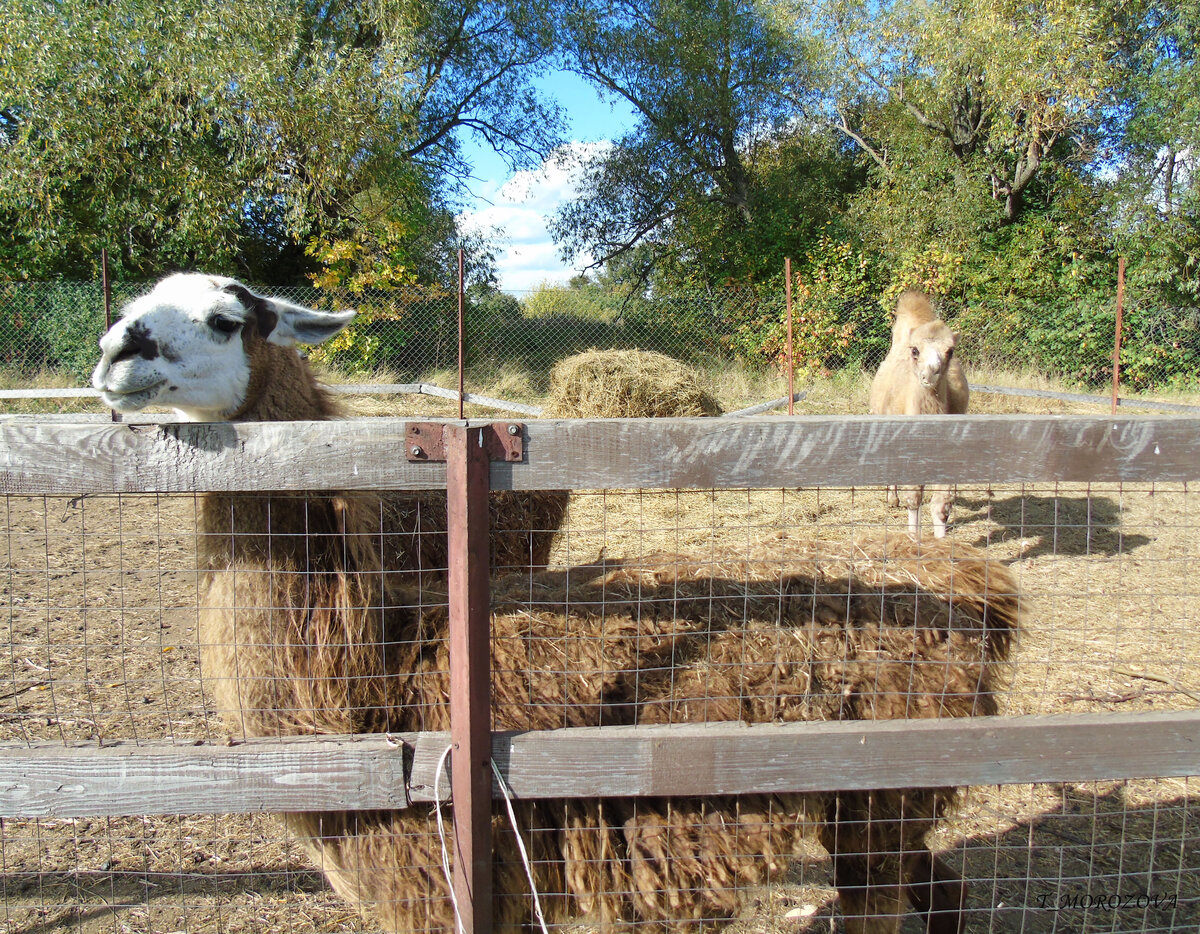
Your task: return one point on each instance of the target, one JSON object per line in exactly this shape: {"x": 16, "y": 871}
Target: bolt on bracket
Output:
{"x": 503, "y": 441}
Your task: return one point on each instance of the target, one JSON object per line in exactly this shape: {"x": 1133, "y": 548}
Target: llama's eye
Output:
{"x": 916, "y": 352}
{"x": 224, "y": 324}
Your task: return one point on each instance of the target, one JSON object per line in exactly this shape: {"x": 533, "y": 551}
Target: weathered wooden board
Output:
{"x": 801, "y": 451}
{"x": 727, "y": 759}
{"x": 130, "y": 457}
{"x": 369, "y": 771}
{"x": 691, "y": 453}
{"x": 295, "y": 774}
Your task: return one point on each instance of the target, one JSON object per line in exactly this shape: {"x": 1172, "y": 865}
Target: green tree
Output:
{"x": 708, "y": 82}
{"x": 234, "y": 134}
{"x": 981, "y": 94}
{"x": 1154, "y": 149}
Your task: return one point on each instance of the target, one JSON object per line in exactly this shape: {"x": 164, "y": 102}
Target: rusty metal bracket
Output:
{"x": 503, "y": 441}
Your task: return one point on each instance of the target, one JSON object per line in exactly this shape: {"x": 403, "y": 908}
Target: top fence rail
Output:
{"x": 683, "y": 453}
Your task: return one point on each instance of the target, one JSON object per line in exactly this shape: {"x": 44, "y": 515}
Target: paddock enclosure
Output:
{"x": 127, "y": 805}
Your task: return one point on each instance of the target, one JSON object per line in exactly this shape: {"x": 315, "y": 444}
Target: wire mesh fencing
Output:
{"x": 177, "y": 619}
{"x": 49, "y": 330}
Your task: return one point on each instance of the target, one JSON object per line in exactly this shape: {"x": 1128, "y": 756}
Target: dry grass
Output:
{"x": 621, "y": 383}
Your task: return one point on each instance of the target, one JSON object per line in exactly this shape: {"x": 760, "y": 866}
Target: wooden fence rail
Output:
{"x": 394, "y": 770}
{"x": 677, "y": 453}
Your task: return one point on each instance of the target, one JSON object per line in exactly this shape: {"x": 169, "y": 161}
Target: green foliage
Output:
{"x": 1071, "y": 338}
{"x": 223, "y": 134}
{"x": 534, "y": 344}
{"x": 975, "y": 98}
{"x": 407, "y": 331}
{"x": 708, "y": 79}
{"x": 51, "y": 326}
{"x": 689, "y": 322}
{"x": 580, "y": 299}
{"x": 837, "y": 317}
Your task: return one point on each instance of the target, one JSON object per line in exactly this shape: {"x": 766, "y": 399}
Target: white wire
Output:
{"x": 437, "y": 810}
{"x": 512, "y": 817}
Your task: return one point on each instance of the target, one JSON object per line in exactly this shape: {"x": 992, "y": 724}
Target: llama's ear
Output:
{"x": 297, "y": 324}
{"x": 257, "y": 308}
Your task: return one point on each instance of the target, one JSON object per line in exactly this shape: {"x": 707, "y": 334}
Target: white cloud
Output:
{"x": 518, "y": 214}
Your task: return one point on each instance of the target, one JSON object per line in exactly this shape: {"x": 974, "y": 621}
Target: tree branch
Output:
{"x": 880, "y": 157}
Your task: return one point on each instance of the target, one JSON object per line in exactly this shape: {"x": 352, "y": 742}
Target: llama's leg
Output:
{"x": 936, "y": 891}
{"x": 893, "y": 496}
{"x": 939, "y": 508}
{"x": 867, "y": 865}
{"x": 912, "y": 499}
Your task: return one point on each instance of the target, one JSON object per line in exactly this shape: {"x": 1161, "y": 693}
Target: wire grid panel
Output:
{"x": 106, "y": 598}
{"x": 52, "y": 328}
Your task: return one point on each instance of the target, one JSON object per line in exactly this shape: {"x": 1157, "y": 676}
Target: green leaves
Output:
{"x": 709, "y": 80}
{"x": 171, "y": 133}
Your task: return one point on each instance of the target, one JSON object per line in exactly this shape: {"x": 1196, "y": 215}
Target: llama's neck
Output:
{"x": 282, "y": 388}
{"x": 276, "y": 528}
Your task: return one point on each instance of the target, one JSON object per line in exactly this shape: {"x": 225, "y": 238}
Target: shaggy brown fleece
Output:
{"x": 801, "y": 631}
{"x": 312, "y": 621}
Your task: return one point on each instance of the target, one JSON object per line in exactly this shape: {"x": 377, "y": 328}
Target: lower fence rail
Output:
{"x": 369, "y": 771}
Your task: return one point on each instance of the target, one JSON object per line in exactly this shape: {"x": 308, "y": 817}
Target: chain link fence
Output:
{"x": 49, "y": 330}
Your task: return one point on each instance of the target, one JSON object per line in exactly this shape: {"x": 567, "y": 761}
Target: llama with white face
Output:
{"x": 203, "y": 346}
{"x": 920, "y": 376}
{"x": 309, "y": 624}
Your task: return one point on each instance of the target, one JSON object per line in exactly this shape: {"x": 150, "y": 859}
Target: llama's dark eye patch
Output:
{"x": 224, "y": 324}
{"x": 916, "y": 352}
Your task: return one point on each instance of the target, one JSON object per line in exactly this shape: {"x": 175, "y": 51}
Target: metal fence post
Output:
{"x": 1117, "y": 337}
{"x": 107, "y": 288}
{"x": 461, "y": 322}
{"x": 467, "y": 484}
{"x": 791, "y": 364}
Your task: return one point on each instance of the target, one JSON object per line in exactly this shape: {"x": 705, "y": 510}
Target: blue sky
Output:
{"x": 518, "y": 204}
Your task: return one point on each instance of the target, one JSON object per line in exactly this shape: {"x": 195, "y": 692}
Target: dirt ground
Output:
{"x": 99, "y": 602}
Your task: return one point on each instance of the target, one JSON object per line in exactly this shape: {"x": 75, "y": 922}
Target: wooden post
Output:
{"x": 791, "y": 366}
{"x": 1117, "y": 337}
{"x": 467, "y": 486}
{"x": 460, "y": 333}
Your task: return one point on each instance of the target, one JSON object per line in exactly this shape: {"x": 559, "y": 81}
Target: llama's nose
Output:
{"x": 136, "y": 342}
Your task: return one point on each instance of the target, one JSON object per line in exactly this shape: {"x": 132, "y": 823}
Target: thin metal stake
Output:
{"x": 116, "y": 417}
{"x": 467, "y": 484}
{"x": 791, "y": 367}
{"x": 1117, "y": 338}
{"x": 460, "y": 333}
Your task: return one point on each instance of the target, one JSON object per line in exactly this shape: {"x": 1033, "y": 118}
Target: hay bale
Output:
{"x": 626, "y": 384}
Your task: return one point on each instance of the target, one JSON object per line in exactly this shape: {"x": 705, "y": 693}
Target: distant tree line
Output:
{"x": 1001, "y": 155}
